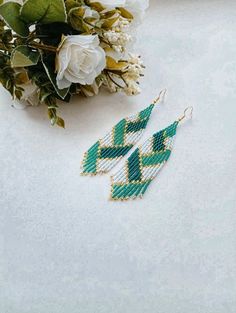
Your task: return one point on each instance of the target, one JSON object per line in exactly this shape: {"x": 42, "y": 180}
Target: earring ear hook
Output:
{"x": 161, "y": 96}
{"x": 188, "y": 114}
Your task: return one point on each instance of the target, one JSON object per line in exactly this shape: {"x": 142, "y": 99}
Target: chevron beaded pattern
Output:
{"x": 143, "y": 165}
{"x": 108, "y": 151}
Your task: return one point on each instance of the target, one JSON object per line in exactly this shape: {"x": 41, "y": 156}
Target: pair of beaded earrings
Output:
{"x": 133, "y": 179}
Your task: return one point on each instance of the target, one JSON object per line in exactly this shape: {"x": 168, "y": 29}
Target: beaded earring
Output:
{"x": 109, "y": 150}
{"x": 133, "y": 179}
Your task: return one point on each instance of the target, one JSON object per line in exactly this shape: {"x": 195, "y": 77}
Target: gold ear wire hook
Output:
{"x": 190, "y": 109}
{"x": 161, "y": 95}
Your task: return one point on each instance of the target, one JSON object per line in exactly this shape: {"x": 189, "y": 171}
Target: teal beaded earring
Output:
{"x": 109, "y": 150}
{"x": 133, "y": 179}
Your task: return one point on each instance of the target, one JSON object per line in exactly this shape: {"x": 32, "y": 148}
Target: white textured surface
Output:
{"x": 66, "y": 249}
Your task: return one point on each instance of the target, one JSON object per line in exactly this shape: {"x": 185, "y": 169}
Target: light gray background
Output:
{"x": 66, "y": 249}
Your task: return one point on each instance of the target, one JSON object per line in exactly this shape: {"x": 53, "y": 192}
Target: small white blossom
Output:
{"x": 134, "y": 69}
{"x": 118, "y": 49}
{"x": 111, "y": 36}
{"x": 121, "y": 25}
{"x": 135, "y": 59}
{"x": 132, "y": 89}
{"x": 124, "y": 39}
{"x": 132, "y": 74}
{"x": 118, "y": 40}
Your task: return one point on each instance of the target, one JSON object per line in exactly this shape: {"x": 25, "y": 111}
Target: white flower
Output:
{"x": 134, "y": 69}
{"x": 132, "y": 89}
{"x": 121, "y": 25}
{"x": 135, "y": 59}
{"x": 117, "y": 39}
{"x": 80, "y": 60}
{"x": 133, "y": 73}
{"x": 30, "y": 96}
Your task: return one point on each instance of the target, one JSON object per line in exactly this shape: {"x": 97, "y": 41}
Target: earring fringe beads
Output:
{"x": 141, "y": 168}
{"x": 109, "y": 150}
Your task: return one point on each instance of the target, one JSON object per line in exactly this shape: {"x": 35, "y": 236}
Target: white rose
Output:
{"x": 80, "y": 60}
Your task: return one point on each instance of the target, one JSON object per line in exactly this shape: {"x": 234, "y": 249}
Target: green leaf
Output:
{"x": 44, "y": 95}
{"x": 23, "y": 56}
{"x": 109, "y": 22}
{"x": 70, "y": 4}
{"x": 97, "y": 6}
{"x": 125, "y": 13}
{"x": 60, "y": 122}
{"x": 10, "y": 13}
{"x": 76, "y": 19}
{"x": 62, "y": 93}
{"x": 109, "y": 14}
{"x": 54, "y": 118}
{"x": 18, "y": 94}
{"x": 43, "y": 11}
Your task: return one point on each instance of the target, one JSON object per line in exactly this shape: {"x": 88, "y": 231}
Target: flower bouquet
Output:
{"x": 54, "y": 49}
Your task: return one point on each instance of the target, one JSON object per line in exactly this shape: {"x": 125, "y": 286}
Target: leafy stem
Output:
{"x": 37, "y": 45}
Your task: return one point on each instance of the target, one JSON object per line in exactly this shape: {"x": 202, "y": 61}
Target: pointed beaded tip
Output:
{"x": 109, "y": 150}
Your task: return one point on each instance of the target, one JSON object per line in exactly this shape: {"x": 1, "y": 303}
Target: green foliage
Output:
{"x": 10, "y": 12}
{"x": 6, "y": 38}
{"x": 23, "y": 56}
{"x": 8, "y": 77}
{"x": 109, "y": 14}
{"x": 71, "y": 4}
{"x": 49, "y": 67}
{"x": 43, "y": 11}
{"x": 51, "y": 34}
{"x": 97, "y": 6}
{"x": 30, "y": 38}
{"x": 76, "y": 20}
{"x": 125, "y": 13}
{"x": 107, "y": 24}
{"x": 54, "y": 118}
{"x": 47, "y": 93}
